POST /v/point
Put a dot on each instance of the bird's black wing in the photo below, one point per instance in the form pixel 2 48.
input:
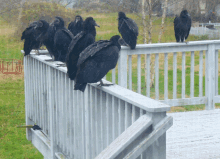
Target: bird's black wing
pixel 176 22
pixel 132 25
pixel 66 31
pixel 189 23
pixel 29 30
pixel 70 25
pixel 74 41
pixel 92 49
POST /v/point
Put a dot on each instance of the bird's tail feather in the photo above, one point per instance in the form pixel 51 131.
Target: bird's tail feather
pixel 80 87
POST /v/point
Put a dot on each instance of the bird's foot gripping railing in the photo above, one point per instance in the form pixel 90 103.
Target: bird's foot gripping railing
pixel 102 122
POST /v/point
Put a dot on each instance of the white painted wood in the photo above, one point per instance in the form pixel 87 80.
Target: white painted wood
pixel 59 155
pixel 194 134
pixel 139 74
pixel 113 76
pixel 89 133
pixel 51 112
pixel 160 129
pixel 200 73
pixel 216 72
pixel 185 101
pixel 122 69
pixel 174 75
pixel 210 77
pixel 206 73
pixel 87 123
pixel 127 137
pixel 216 99
pixel 148 75
pixel 42 143
pixel 157 76
pixel 183 74
pixel 165 76
pixel 138 100
pixel 130 71
pixel 192 75
pixel 27 100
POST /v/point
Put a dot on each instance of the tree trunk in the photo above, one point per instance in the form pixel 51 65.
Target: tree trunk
pixel 20 11
pixel 152 61
pixel 162 22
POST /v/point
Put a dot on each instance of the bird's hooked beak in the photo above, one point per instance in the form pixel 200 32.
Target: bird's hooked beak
pixel 96 25
pixel 122 42
pixel 40 24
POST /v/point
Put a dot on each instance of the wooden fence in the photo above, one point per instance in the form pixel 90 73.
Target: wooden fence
pixel 103 122
pixel 206 51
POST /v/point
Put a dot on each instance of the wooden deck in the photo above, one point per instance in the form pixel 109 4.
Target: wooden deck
pixel 194 135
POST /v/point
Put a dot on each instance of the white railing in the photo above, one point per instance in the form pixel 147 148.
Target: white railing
pixel 193 50
pixel 101 121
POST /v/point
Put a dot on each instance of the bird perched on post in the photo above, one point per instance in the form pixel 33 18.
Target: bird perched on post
pixel 182 25
pixel 128 29
pixel 76 26
pixel 30 35
pixel 78 44
pixel 55 37
pixel 62 39
pixel 95 62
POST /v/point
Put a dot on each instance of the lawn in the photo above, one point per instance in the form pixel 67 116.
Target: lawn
pixel 13 142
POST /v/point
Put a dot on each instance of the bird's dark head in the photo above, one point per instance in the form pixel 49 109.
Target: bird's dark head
pixel 89 23
pixel 78 19
pixel 121 15
pixel 117 40
pixel 184 13
pixel 58 22
pixel 42 25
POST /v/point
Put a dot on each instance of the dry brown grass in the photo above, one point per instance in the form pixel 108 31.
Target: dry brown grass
pixel 4 77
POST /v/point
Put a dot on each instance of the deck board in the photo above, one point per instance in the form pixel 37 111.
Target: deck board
pixel 194 135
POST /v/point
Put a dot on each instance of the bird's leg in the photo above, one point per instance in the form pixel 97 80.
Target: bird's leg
pixel 102 84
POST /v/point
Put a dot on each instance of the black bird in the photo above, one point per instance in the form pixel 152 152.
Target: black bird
pixel 78 44
pixel 95 62
pixel 62 39
pixel 30 35
pixel 182 25
pixel 47 38
pixel 128 29
pixel 76 26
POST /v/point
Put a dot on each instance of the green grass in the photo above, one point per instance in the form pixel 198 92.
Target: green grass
pixel 13 142
pixel 10 46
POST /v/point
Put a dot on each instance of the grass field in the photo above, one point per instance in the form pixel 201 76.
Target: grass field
pixel 13 143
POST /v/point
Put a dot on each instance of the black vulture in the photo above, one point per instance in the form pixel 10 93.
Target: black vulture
pixel 95 62
pixel 76 26
pixel 48 37
pixel 78 44
pixel 128 29
pixel 30 35
pixel 62 39
pixel 182 25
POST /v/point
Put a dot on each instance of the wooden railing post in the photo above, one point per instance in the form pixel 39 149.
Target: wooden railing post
pixel 50 83
pixel 27 99
pixel 158 149
pixel 122 69
pixel 210 77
